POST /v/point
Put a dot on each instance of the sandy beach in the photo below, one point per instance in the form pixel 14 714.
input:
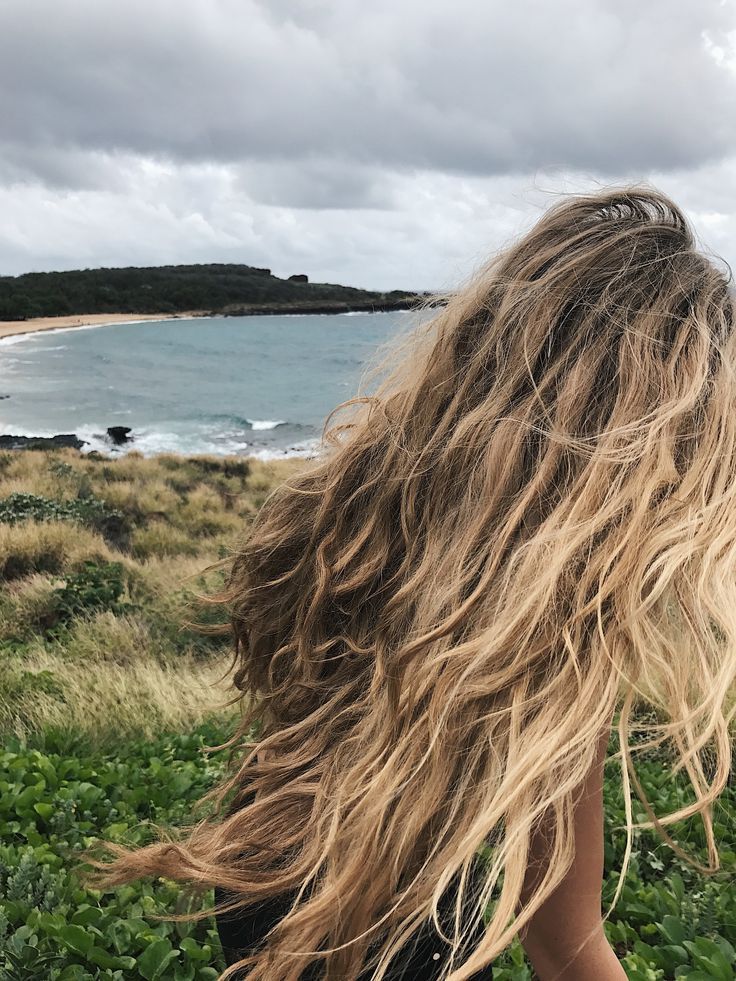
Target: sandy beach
pixel 8 328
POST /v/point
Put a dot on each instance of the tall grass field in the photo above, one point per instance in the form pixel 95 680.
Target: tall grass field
pixel 109 694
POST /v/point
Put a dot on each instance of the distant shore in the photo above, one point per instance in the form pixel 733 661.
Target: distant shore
pixel 9 328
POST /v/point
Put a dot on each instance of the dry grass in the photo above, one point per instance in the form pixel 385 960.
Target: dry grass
pixel 162 539
pixel 135 665
pixel 100 700
pixel 22 604
pixel 47 546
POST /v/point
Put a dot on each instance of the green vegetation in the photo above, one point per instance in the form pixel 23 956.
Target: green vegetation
pixel 108 696
pixel 214 288
pixel 100 564
pixel 52 802
pixel 94 587
pixel 89 511
pixel 670 921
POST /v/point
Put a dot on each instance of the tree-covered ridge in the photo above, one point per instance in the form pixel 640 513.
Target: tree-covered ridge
pixel 226 288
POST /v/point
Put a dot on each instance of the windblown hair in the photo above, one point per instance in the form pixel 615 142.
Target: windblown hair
pixel 528 528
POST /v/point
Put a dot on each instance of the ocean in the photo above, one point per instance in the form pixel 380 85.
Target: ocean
pixel 249 386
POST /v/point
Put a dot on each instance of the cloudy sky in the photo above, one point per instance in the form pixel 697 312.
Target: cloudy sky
pixel 384 144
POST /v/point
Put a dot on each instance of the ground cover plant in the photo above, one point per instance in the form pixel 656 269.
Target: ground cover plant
pixel 107 699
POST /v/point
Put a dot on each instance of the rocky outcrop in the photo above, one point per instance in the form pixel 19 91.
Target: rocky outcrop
pixel 119 435
pixel 318 306
pixel 41 442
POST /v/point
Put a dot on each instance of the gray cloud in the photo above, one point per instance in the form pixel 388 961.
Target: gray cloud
pixel 466 87
pixel 317 182
pixel 383 144
pixel 441 228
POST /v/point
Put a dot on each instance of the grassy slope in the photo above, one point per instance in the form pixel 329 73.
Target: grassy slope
pixel 106 700
pixel 73 657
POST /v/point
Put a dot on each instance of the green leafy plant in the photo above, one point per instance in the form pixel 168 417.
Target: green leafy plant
pixel 93 587
pixel 111 523
pixel 52 806
pixel 61 469
pixel 669 923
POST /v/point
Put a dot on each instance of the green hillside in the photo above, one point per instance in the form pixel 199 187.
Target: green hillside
pixel 211 288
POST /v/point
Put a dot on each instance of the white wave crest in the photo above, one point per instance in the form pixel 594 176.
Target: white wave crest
pixel 265 423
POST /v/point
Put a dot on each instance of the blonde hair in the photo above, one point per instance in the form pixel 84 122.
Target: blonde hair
pixel 530 524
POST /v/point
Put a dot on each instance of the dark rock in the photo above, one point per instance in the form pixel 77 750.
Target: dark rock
pixel 298 278
pixel 119 434
pixel 318 306
pixel 41 442
pixel 4 397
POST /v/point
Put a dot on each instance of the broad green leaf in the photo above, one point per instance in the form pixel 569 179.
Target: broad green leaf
pixel 104 959
pixel 155 958
pixel 87 914
pixel 672 930
pixel 76 938
pixel 193 950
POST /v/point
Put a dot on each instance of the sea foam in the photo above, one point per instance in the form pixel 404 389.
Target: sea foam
pixel 265 423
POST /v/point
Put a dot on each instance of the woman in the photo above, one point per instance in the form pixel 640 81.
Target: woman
pixel 530 526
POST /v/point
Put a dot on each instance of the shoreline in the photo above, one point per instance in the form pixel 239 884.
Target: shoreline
pixel 12 328
pixel 70 441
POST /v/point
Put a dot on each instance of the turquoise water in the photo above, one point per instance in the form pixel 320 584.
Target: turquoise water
pixel 245 385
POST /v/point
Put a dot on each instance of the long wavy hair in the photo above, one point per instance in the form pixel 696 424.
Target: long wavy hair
pixel 529 527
